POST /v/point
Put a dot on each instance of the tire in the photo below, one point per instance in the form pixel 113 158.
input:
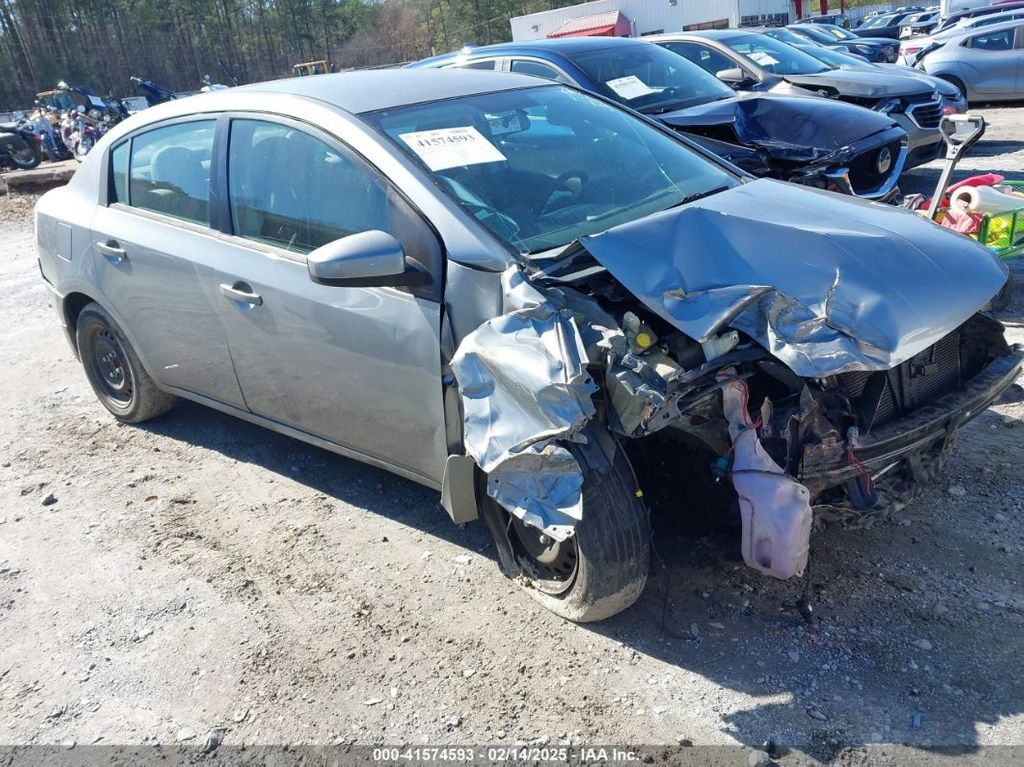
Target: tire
pixel 82 147
pixel 26 158
pixel 114 371
pixel 610 549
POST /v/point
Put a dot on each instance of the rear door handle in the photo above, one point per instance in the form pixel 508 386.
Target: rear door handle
pixel 112 251
pixel 241 292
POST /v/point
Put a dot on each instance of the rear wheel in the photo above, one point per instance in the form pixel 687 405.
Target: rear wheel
pixel 27 157
pixel 114 371
pixel 602 569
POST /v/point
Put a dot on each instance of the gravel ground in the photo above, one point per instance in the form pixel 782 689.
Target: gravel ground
pixel 198 574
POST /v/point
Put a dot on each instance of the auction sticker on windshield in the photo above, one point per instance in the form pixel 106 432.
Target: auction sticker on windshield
pixel 762 58
pixel 452 147
pixel 631 87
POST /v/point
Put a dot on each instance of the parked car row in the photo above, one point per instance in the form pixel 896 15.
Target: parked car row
pixel 754 99
pixel 980 50
pixel 534 288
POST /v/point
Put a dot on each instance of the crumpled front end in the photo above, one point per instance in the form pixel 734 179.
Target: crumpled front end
pixel 819 143
pixel 806 364
pixel 524 384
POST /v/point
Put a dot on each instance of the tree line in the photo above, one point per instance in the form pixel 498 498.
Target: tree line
pixel 101 43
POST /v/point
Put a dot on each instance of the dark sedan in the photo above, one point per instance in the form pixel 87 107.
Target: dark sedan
pixel 759 63
pixel 882 50
pixel 825 144
pixel 886 25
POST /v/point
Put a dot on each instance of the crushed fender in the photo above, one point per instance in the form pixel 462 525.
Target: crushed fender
pixel 523 381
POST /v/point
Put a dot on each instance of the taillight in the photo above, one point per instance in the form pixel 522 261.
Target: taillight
pixel 910 51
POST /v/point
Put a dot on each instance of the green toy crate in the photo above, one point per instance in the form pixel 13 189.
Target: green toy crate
pixel 1003 232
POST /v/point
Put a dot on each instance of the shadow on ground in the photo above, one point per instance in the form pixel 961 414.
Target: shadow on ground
pixel 894 653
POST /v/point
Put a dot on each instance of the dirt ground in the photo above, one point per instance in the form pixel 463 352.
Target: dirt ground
pixel 198 574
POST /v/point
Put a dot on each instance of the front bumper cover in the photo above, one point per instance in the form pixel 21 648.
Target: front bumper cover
pixel 825 467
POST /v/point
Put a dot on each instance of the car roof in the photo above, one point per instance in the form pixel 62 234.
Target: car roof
pixel 372 90
pixel 987 30
pixel 984 10
pixel 710 34
pixel 565 46
pixel 972 21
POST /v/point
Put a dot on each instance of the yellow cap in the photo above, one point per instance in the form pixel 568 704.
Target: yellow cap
pixel 643 340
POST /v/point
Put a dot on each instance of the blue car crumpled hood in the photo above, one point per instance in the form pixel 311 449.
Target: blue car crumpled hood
pixel 796 129
pixel 826 283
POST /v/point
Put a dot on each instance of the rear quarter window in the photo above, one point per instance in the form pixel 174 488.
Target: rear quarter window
pixel 119 173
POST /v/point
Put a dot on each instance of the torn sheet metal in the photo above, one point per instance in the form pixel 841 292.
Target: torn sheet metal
pixel 543 486
pixel 792 130
pixel 523 381
pixel 824 283
pixel 774 507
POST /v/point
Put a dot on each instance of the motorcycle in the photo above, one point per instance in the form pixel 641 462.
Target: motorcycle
pixel 153 91
pixel 80 130
pixel 19 147
pixel 46 123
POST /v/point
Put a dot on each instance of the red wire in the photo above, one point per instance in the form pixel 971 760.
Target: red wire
pixel 861 469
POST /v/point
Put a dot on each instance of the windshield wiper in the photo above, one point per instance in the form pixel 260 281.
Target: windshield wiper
pixel 661 108
pixel 699 195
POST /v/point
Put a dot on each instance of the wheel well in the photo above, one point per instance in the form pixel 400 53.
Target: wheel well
pixel 73 305
pixel 954 80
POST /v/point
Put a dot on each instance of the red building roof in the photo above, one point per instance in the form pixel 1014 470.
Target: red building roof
pixel 608 24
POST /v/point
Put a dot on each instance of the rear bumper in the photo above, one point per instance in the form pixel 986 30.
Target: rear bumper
pixel 56 302
pixel 917 431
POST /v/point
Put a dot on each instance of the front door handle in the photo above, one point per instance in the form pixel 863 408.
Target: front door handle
pixel 240 292
pixel 112 251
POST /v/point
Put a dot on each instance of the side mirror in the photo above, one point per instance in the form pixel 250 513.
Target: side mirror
pixel 733 76
pixel 364 260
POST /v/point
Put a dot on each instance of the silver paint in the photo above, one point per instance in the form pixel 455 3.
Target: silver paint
pixel 826 284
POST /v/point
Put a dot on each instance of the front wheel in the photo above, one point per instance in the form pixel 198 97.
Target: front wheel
pixel 602 569
pixel 82 147
pixel 114 371
pixel 27 157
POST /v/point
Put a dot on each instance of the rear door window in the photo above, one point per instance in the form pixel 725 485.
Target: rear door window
pixel 1001 40
pixel 170 170
pixel 486 65
pixel 704 57
pixel 538 69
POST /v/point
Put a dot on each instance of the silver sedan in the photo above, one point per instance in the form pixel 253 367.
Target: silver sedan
pixel 985 63
pixel 531 299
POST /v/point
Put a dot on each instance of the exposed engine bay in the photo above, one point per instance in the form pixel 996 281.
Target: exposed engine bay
pixel 803 406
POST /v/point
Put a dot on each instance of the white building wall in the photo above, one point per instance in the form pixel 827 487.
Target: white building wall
pixel 536 26
pixel 649 16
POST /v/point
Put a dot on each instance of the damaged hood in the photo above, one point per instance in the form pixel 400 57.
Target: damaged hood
pixel 789 128
pixel 826 283
pixel 862 84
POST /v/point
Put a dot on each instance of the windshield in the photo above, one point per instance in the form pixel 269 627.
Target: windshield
pixel 650 79
pixel 836 58
pixel 775 56
pixel 818 35
pixel 541 167
pixel 838 32
pixel 878 21
pixel 787 36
